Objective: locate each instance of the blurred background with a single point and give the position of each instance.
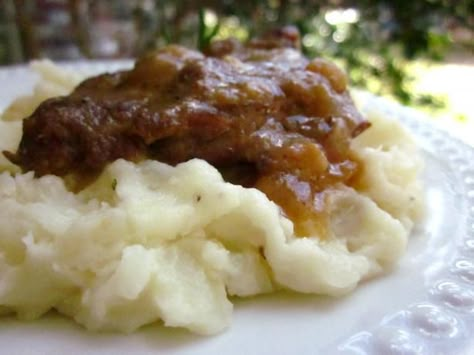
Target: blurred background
(418, 52)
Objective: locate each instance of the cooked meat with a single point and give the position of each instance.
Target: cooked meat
(261, 112)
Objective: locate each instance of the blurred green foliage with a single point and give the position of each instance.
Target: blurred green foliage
(374, 40)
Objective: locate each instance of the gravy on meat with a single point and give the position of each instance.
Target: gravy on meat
(261, 112)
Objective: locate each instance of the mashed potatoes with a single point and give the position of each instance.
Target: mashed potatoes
(149, 241)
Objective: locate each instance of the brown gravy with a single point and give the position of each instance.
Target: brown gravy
(261, 112)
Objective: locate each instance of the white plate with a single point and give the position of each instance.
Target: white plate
(425, 306)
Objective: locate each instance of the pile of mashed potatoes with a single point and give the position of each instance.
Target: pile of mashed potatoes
(149, 241)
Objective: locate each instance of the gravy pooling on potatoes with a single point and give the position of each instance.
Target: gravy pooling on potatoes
(262, 113)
